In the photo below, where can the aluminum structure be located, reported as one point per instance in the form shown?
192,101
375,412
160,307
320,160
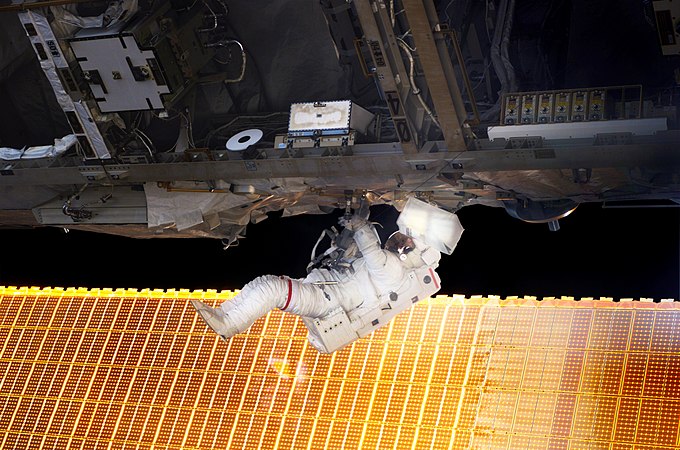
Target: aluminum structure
425,136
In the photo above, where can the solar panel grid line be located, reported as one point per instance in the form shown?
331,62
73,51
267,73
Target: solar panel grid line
9,379
13,419
619,407
125,379
43,422
415,412
65,425
322,398
644,378
659,331
301,392
136,378
413,370
441,439
71,345
92,380
212,421
44,408
20,346
238,387
198,371
14,341
5,308
421,413
264,399
244,383
187,334
581,377
189,392
204,385
92,416
538,397
665,369
498,409
362,362
399,391
24,348
374,391
359,411
159,426
193,404
588,420
291,391
374,400
524,358
121,403
18,372
311,392
190,383
235,424
626,355
338,392
61,312
553,331
601,381
400,396
464,387
563,419
492,326
446,439
622,377
4,338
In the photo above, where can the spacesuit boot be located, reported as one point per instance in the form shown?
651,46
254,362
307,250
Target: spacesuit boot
216,319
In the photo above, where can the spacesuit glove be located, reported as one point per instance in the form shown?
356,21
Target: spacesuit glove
353,223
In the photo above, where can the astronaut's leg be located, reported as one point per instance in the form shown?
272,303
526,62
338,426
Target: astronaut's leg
255,300
219,322
308,300
259,297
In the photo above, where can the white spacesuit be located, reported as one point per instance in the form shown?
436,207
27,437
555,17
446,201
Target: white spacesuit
343,301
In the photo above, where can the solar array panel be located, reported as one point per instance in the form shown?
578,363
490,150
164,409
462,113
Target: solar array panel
126,369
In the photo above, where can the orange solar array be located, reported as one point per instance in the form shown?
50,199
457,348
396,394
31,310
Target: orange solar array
123,369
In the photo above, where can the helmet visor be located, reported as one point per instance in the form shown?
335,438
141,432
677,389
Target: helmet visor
400,243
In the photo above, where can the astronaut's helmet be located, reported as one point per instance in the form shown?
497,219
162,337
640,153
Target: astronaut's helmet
412,252
400,243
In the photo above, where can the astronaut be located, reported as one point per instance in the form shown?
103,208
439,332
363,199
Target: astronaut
343,300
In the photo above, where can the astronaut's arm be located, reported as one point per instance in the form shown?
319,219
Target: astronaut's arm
368,244
384,268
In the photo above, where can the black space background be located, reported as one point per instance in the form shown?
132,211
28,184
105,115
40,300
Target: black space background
598,252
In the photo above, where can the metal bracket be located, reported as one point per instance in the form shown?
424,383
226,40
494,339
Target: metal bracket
524,142
613,138
113,173
581,176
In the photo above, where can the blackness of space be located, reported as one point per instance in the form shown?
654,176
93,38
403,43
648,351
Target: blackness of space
619,253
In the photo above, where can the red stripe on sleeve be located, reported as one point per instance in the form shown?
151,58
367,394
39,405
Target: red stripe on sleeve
290,295
434,278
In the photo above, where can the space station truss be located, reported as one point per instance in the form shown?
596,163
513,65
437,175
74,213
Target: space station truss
126,369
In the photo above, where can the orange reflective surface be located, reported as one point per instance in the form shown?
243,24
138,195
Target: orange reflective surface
126,369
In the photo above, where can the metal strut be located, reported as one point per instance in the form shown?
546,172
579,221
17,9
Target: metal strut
58,73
